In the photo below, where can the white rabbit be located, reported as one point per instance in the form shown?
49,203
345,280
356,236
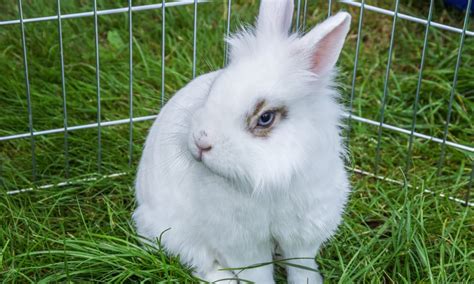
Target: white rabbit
250,157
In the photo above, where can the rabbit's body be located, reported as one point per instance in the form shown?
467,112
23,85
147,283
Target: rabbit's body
221,190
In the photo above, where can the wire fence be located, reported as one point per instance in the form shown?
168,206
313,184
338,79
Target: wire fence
300,24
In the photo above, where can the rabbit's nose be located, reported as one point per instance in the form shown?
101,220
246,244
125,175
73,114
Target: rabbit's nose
203,146
202,142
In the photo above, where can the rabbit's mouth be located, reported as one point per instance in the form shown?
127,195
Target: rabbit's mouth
202,156
197,155
197,152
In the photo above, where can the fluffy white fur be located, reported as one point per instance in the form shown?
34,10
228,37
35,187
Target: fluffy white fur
251,194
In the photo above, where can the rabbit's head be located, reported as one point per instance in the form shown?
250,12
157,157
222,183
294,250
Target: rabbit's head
272,114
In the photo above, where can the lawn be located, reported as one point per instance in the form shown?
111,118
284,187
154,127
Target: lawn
394,229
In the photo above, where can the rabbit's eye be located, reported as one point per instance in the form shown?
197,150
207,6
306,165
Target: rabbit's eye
266,119
261,122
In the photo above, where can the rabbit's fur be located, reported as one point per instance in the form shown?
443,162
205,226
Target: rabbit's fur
256,188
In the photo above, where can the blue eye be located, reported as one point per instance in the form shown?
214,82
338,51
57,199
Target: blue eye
266,119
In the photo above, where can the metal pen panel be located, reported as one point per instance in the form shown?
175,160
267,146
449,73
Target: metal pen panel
409,130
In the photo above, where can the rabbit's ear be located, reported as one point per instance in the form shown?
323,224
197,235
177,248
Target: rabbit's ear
325,42
275,17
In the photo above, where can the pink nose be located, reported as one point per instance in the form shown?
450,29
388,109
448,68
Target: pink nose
203,146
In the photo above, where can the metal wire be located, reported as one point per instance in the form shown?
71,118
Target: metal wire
28,93
97,77
163,47
115,175
453,88
404,184
195,37
226,48
65,183
298,9
418,88
416,134
102,12
304,14
63,89
385,90
406,17
329,8
130,113
151,117
469,187
77,127
354,72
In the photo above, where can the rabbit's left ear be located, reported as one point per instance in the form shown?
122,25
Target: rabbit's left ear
275,17
325,42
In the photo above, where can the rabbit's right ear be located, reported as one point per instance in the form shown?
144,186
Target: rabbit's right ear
275,17
325,41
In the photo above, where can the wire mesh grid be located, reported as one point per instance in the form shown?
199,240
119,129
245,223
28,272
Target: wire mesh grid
302,11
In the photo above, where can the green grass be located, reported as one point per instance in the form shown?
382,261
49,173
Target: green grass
82,231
